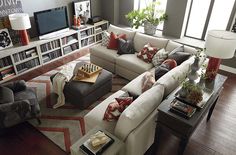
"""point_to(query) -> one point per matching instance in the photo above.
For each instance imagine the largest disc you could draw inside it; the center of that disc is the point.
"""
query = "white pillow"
(105, 38)
(159, 57)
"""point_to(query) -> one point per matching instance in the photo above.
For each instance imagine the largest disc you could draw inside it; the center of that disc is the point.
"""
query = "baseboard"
(228, 69)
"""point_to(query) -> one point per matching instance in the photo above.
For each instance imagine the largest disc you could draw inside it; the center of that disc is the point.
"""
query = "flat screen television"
(51, 23)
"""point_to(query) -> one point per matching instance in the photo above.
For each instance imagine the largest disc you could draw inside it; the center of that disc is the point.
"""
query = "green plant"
(149, 14)
(194, 92)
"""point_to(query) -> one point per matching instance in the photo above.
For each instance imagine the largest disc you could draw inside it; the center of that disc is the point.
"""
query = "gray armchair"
(17, 104)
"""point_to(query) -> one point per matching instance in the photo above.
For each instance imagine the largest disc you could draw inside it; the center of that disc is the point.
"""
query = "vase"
(193, 75)
(149, 28)
(209, 84)
(183, 93)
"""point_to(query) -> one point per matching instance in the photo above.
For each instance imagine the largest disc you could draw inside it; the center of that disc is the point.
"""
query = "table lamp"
(219, 45)
(21, 22)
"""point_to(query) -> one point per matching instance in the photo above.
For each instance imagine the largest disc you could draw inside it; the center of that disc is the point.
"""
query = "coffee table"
(113, 149)
(182, 127)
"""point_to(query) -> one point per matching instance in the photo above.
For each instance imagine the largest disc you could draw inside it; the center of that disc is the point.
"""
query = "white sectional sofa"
(136, 125)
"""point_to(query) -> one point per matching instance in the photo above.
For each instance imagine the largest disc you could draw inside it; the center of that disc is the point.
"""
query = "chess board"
(89, 70)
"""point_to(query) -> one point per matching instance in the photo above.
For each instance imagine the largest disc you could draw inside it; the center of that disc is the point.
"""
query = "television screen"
(51, 20)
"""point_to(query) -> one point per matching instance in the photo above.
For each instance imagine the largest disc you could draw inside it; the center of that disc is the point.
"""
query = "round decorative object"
(149, 28)
(4, 39)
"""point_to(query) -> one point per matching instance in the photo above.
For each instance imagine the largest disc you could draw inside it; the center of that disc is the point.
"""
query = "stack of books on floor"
(182, 109)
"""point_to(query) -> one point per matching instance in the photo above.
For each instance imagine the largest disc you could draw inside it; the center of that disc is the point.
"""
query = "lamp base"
(24, 37)
(212, 68)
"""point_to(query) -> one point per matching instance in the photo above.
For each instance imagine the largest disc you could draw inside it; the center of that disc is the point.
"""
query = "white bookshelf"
(19, 59)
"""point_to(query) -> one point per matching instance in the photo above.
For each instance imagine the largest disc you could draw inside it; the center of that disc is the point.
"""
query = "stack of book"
(182, 109)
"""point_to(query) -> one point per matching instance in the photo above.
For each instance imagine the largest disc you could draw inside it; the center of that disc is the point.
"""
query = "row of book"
(52, 55)
(5, 62)
(50, 45)
(98, 37)
(7, 73)
(25, 54)
(68, 39)
(27, 65)
(87, 41)
(71, 48)
(97, 30)
(86, 33)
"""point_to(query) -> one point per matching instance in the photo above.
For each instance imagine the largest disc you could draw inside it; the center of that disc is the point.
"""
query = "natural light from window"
(197, 18)
(219, 17)
(140, 4)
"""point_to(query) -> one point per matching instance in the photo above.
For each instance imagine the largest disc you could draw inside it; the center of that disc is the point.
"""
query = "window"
(207, 15)
(140, 4)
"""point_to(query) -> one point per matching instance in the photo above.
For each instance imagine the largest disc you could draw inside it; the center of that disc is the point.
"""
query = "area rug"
(65, 125)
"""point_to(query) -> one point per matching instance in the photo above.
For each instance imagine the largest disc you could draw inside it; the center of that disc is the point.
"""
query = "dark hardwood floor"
(218, 136)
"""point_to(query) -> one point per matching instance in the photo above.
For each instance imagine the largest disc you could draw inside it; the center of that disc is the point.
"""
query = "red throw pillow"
(113, 43)
(147, 53)
(116, 107)
(171, 63)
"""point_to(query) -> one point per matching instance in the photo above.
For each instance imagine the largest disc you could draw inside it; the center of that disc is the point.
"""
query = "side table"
(113, 149)
(179, 126)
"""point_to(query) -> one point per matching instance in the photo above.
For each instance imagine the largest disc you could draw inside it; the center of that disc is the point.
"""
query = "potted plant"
(149, 17)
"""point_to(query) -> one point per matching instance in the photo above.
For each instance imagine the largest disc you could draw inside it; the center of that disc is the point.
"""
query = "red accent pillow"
(171, 63)
(113, 43)
(116, 107)
(147, 53)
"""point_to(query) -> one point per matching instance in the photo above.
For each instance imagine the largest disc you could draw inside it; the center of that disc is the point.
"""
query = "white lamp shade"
(220, 44)
(19, 21)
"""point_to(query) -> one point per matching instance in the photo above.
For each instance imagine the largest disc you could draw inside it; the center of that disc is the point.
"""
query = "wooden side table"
(179, 126)
(113, 149)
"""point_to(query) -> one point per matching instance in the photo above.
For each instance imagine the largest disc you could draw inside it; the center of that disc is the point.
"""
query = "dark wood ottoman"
(83, 94)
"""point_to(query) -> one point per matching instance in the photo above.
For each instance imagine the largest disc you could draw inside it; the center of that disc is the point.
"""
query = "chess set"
(88, 72)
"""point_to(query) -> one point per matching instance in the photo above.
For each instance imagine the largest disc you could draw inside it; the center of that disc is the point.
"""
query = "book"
(88, 149)
(182, 108)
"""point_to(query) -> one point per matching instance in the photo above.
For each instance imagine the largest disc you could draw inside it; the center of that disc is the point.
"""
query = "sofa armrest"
(13, 113)
(16, 86)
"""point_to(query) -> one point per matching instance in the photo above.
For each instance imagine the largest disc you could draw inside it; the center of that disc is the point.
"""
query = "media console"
(19, 59)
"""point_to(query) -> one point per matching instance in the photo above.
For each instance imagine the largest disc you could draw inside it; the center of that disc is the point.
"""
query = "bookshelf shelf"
(19, 59)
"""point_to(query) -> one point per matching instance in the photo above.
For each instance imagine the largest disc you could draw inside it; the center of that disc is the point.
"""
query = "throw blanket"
(59, 82)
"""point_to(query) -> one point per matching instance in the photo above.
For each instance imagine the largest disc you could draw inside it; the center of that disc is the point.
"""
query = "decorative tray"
(206, 96)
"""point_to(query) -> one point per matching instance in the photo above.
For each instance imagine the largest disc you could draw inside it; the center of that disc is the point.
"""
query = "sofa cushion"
(113, 42)
(6, 95)
(118, 30)
(139, 110)
(159, 57)
(161, 70)
(133, 63)
(172, 45)
(104, 53)
(125, 47)
(179, 55)
(95, 116)
(105, 38)
(147, 53)
(172, 79)
(141, 39)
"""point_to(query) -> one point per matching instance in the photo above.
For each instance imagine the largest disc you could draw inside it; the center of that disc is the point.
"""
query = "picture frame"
(5, 39)
(82, 9)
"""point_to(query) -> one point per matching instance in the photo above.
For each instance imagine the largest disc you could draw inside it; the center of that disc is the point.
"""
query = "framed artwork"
(5, 39)
(82, 9)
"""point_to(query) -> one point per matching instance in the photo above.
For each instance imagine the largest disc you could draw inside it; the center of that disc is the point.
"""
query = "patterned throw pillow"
(147, 53)
(159, 57)
(125, 47)
(105, 38)
(147, 81)
(116, 107)
(113, 42)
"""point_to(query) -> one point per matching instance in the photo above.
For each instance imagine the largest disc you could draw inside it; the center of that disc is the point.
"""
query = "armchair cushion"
(6, 95)
(16, 86)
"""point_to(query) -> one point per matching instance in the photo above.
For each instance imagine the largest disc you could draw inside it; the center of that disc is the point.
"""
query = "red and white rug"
(65, 125)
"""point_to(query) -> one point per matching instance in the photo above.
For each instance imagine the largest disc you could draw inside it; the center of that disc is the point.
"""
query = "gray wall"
(125, 7)
(110, 11)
